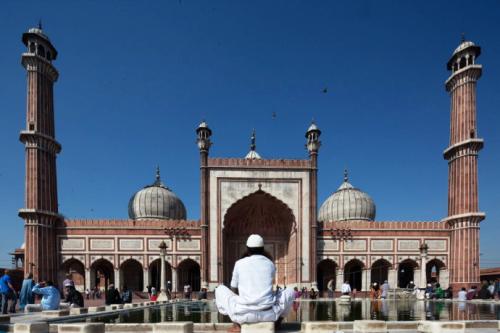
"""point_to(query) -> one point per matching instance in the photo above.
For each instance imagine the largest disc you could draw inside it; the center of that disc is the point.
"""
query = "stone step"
(54, 313)
(31, 328)
(81, 328)
(264, 327)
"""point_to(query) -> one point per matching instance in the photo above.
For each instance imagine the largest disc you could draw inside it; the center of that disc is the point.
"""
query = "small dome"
(156, 201)
(313, 127)
(347, 203)
(465, 44)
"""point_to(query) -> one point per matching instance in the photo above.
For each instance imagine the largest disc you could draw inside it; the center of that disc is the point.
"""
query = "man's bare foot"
(235, 329)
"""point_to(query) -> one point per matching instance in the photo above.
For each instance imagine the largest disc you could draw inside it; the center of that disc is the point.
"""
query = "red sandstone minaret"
(463, 210)
(203, 134)
(313, 144)
(40, 212)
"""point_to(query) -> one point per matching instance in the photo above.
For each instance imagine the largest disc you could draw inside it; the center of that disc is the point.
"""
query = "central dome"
(156, 201)
(347, 203)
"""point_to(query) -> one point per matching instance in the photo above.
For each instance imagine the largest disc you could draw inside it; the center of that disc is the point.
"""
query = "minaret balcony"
(464, 148)
(33, 139)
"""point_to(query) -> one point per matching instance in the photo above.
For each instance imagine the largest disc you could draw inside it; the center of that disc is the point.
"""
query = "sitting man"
(252, 299)
(51, 297)
(73, 297)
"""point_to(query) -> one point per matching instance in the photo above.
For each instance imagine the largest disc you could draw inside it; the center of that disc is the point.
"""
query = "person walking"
(187, 291)
(51, 297)
(331, 287)
(252, 298)
(26, 295)
(126, 295)
(346, 288)
(112, 295)
(462, 295)
(384, 293)
(8, 293)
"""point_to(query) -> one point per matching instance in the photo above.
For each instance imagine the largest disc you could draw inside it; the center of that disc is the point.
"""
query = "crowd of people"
(488, 290)
(50, 297)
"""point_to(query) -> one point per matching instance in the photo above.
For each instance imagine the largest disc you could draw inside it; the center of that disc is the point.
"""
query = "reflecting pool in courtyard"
(392, 310)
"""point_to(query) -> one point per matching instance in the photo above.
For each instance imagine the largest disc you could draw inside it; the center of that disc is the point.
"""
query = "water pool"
(320, 310)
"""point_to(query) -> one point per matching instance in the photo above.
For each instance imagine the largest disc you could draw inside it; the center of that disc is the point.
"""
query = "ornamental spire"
(252, 154)
(158, 173)
(252, 141)
(346, 176)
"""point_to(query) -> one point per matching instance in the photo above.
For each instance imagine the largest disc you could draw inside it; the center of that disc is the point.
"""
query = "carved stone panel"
(436, 244)
(355, 245)
(328, 245)
(131, 244)
(153, 244)
(188, 244)
(102, 244)
(382, 244)
(72, 244)
(408, 245)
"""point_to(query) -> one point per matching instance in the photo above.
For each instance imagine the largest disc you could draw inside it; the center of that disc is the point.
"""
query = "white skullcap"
(255, 241)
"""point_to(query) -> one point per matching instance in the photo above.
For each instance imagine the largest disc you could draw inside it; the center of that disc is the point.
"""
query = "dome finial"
(40, 24)
(346, 175)
(462, 37)
(252, 141)
(158, 173)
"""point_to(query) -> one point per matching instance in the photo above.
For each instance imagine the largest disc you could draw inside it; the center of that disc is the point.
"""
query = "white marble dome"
(347, 203)
(156, 201)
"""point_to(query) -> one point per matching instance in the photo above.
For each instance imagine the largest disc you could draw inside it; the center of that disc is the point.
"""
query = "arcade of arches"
(131, 274)
(262, 214)
(357, 274)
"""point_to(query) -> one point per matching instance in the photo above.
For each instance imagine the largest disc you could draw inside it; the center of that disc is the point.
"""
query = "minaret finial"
(463, 37)
(158, 173)
(252, 141)
(40, 24)
(346, 175)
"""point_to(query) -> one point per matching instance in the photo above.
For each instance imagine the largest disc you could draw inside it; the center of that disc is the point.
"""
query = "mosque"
(277, 198)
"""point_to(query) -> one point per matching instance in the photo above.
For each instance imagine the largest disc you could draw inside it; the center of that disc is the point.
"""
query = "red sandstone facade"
(239, 196)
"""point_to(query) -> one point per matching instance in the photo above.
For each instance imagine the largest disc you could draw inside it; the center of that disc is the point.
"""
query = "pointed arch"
(102, 274)
(131, 274)
(353, 272)
(380, 271)
(406, 272)
(326, 271)
(75, 270)
(263, 214)
(188, 273)
(432, 270)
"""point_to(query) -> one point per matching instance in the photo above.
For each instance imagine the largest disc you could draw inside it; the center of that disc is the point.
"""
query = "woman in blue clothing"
(51, 297)
(26, 295)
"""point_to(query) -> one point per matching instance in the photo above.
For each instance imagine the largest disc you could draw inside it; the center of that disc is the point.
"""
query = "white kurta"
(256, 302)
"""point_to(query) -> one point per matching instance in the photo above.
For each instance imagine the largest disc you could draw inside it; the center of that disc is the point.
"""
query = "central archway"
(261, 213)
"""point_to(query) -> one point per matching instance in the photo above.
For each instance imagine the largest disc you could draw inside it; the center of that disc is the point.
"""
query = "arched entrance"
(353, 272)
(406, 271)
(380, 271)
(76, 271)
(101, 274)
(131, 274)
(327, 269)
(155, 273)
(261, 213)
(188, 272)
(433, 268)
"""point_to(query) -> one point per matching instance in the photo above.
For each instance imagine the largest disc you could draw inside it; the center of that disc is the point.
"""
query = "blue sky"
(137, 77)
